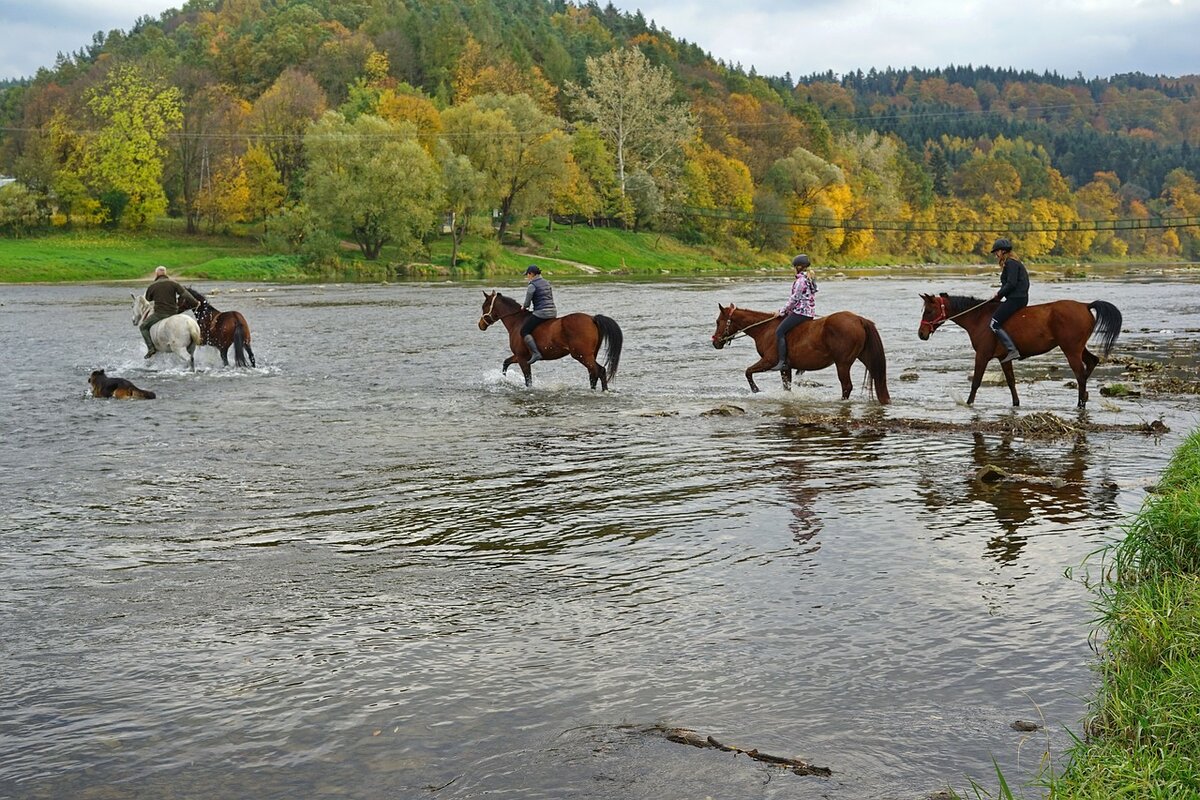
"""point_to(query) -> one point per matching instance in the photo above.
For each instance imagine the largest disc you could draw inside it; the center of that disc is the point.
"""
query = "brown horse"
(1037, 329)
(839, 339)
(575, 335)
(223, 329)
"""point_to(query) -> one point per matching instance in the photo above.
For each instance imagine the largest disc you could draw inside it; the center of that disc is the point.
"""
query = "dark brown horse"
(222, 330)
(575, 335)
(839, 339)
(1066, 324)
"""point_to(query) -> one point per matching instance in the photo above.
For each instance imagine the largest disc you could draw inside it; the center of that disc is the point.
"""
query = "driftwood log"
(688, 736)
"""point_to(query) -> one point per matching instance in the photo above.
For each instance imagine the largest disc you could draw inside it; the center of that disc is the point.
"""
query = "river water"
(374, 567)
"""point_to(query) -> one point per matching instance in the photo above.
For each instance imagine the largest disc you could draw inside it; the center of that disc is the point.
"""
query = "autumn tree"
(371, 179)
(134, 115)
(465, 189)
(265, 189)
(281, 117)
(631, 103)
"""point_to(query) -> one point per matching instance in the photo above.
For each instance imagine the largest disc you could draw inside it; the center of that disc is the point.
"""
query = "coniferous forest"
(387, 122)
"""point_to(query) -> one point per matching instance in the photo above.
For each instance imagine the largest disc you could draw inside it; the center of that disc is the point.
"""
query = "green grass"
(1144, 737)
(106, 256)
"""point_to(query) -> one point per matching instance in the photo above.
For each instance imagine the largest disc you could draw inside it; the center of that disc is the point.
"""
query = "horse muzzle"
(483, 326)
(718, 343)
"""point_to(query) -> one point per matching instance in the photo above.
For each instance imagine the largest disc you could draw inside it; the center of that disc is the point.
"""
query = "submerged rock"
(1024, 725)
(724, 411)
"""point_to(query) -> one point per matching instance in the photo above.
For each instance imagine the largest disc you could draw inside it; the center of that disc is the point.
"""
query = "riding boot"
(1007, 341)
(535, 354)
(781, 346)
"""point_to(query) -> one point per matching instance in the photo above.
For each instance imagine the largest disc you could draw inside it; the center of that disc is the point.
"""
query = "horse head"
(724, 332)
(495, 308)
(936, 311)
(141, 308)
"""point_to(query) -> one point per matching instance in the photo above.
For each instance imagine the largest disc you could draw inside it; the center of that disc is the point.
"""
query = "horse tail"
(872, 356)
(611, 336)
(239, 342)
(1108, 324)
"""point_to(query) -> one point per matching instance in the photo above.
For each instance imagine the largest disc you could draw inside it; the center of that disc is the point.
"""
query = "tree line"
(385, 123)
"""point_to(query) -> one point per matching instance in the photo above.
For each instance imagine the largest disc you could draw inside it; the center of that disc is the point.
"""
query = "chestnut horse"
(839, 339)
(1037, 329)
(222, 329)
(575, 335)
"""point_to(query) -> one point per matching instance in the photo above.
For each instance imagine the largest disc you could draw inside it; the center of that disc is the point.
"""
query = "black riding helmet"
(801, 261)
(1002, 244)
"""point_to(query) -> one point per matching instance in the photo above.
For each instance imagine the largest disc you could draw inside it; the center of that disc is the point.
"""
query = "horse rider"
(1014, 291)
(167, 296)
(540, 296)
(800, 307)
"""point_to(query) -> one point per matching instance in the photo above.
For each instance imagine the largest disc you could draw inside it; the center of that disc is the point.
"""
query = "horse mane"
(961, 302)
(196, 294)
(760, 314)
(506, 301)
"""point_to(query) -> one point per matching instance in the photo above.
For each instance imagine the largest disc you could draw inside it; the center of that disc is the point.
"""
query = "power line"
(913, 226)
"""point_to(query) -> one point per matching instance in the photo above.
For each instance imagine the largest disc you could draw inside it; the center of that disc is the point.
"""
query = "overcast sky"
(1092, 37)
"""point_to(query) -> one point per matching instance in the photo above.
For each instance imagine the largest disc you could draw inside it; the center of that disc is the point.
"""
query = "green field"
(104, 256)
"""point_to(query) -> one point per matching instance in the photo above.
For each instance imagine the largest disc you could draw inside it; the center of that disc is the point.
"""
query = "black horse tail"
(872, 356)
(1108, 324)
(239, 343)
(611, 337)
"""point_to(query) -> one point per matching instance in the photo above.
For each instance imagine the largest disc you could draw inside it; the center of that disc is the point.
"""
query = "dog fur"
(121, 389)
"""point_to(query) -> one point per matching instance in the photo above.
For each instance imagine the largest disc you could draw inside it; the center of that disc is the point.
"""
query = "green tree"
(520, 149)
(19, 212)
(134, 114)
(372, 179)
(465, 188)
(630, 101)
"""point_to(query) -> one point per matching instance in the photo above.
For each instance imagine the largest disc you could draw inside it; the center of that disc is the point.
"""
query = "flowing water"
(375, 567)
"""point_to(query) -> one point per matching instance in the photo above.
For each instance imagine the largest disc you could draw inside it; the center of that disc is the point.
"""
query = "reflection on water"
(374, 566)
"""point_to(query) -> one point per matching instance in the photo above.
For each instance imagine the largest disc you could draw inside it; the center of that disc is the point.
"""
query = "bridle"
(728, 335)
(487, 319)
(943, 307)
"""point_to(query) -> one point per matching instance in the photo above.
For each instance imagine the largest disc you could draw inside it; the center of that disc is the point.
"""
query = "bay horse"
(576, 335)
(1036, 329)
(179, 333)
(838, 339)
(223, 329)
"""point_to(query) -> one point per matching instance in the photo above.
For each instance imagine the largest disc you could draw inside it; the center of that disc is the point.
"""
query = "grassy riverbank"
(1144, 735)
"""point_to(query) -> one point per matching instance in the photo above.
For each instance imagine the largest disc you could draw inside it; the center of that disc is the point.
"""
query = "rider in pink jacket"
(799, 309)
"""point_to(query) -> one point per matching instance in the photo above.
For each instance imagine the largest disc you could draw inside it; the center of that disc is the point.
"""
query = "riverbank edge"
(1142, 737)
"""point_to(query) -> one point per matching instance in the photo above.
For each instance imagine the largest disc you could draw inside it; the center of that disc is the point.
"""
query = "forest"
(312, 123)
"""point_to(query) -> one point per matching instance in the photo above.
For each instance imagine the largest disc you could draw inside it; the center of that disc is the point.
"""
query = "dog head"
(96, 380)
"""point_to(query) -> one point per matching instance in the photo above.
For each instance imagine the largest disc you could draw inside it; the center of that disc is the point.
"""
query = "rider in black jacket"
(1014, 291)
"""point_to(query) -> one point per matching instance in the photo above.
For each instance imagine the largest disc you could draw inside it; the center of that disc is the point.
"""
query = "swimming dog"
(104, 386)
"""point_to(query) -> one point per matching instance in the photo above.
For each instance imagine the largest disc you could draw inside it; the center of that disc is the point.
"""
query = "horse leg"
(191, 349)
(1012, 381)
(981, 361)
(250, 353)
(843, 371)
(1090, 360)
(527, 372)
(508, 362)
(595, 371)
(1081, 371)
(225, 355)
(762, 365)
(786, 375)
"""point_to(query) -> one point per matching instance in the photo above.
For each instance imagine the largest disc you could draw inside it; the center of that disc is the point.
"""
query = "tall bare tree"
(630, 101)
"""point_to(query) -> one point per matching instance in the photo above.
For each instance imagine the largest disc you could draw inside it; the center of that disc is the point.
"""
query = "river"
(375, 567)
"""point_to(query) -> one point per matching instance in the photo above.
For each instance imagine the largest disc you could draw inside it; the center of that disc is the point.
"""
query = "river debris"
(1025, 726)
(909, 377)
(691, 737)
(1171, 386)
(1036, 425)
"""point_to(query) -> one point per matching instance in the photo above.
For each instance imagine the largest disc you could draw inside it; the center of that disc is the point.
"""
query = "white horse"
(180, 334)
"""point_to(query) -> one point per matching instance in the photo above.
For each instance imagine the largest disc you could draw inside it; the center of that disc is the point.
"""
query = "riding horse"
(839, 339)
(179, 333)
(576, 335)
(223, 329)
(1037, 329)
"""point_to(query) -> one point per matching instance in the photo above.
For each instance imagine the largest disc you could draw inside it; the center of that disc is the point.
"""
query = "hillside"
(256, 111)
